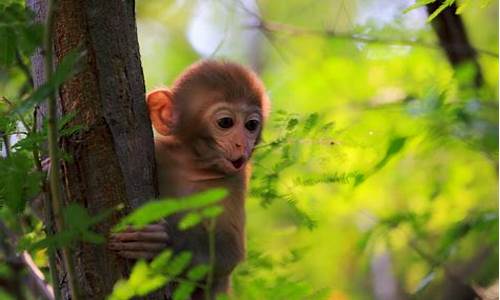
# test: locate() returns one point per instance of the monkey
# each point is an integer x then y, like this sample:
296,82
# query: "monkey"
206,128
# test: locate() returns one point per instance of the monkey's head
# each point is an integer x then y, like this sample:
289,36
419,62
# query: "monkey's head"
216,109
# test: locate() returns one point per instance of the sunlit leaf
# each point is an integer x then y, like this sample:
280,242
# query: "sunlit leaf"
443,6
292,123
160,262
179,263
198,272
311,122
395,146
184,290
418,4
212,212
342,178
78,228
462,6
141,282
157,210
190,220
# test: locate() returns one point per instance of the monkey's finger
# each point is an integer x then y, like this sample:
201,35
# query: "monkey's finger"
135,246
160,226
162,222
153,228
140,236
129,229
136,255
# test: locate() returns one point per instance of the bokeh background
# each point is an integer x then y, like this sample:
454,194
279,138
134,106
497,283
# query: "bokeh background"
377,177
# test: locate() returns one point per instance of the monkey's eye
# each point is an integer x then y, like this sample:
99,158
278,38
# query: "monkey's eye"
251,125
225,122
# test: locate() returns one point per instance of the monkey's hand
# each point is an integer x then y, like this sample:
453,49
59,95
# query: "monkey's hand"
145,243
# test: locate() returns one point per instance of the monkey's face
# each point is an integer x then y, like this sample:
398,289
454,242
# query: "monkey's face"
214,110
234,129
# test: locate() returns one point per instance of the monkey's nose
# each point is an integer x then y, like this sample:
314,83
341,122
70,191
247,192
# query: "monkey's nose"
238,145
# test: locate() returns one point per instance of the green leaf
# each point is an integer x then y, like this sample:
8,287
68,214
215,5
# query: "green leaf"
5,271
342,178
395,146
462,6
364,241
179,263
65,70
184,290
157,210
161,261
442,7
301,217
417,4
18,181
292,123
78,228
17,32
7,46
142,281
311,122
198,272
29,38
484,3
5,296
190,220
151,284
63,124
212,212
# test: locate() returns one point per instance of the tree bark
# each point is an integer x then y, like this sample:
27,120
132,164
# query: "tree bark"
453,38
112,157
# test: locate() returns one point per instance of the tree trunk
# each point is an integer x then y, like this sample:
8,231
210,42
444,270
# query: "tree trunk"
112,156
453,38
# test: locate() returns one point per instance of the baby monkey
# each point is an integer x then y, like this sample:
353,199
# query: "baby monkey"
206,128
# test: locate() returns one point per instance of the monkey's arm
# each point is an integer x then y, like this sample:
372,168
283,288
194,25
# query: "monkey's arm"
151,240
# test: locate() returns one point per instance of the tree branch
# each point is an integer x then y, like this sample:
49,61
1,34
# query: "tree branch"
448,273
55,185
35,278
452,36
24,68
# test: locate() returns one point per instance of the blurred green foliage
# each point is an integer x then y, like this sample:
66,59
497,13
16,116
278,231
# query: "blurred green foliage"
377,153
372,148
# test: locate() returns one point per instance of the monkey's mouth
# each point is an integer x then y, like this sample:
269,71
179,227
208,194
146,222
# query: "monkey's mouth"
238,163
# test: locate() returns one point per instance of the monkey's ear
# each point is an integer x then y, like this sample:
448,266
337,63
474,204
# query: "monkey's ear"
160,108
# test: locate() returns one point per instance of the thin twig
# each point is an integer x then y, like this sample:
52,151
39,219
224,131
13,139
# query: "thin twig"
19,115
436,263
55,185
211,259
24,67
37,283
37,278
269,26
184,280
48,220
